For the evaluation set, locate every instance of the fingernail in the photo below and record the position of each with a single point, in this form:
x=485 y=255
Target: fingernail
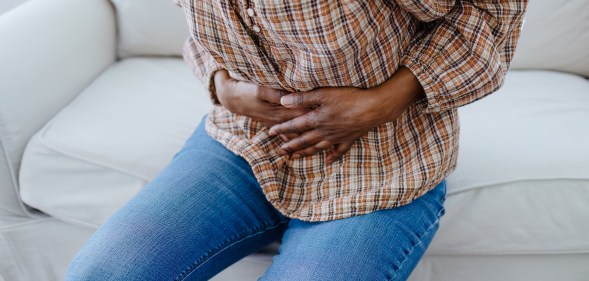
x=282 y=152
x=295 y=156
x=272 y=132
x=284 y=138
x=286 y=100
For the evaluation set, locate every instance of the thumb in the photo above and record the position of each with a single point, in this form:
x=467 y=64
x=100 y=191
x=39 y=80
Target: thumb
x=301 y=99
x=221 y=74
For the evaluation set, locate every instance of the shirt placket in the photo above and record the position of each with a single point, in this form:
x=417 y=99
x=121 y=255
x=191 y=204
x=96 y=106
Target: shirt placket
x=249 y=16
x=249 y=12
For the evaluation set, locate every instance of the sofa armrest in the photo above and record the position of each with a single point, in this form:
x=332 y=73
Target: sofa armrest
x=49 y=52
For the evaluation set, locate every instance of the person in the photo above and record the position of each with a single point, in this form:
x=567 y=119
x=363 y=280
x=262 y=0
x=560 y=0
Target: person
x=334 y=127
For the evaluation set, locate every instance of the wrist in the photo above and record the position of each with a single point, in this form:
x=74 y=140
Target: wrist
x=218 y=95
x=402 y=90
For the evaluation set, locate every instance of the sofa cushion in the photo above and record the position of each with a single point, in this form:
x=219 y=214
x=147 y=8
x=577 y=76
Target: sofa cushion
x=555 y=36
x=112 y=139
x=150 y=28
x=521 y=184
x=536 y=127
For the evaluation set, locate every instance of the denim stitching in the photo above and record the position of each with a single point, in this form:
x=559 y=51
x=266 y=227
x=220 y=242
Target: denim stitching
x=210 y=254
x=430 y=228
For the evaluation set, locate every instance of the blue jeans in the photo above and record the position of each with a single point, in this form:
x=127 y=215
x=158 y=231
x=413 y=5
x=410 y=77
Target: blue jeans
x=205 y=211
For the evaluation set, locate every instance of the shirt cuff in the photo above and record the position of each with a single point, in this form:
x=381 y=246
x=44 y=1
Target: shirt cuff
x=209 y=82
x=430 y=82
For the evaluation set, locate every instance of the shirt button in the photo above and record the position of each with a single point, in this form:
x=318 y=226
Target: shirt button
x=250 y=12
x=256 y=28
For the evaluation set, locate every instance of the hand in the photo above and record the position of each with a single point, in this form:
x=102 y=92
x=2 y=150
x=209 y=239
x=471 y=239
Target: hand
x=342 y=115
x=257 y=102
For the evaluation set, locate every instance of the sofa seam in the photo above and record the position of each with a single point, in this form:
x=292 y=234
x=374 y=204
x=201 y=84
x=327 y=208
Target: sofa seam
x=68 y=219
x=11 y=170
x=17 y=225
x=520 y=180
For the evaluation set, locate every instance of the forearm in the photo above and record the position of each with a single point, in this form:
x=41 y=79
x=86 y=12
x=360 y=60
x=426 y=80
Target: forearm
x=399 y=92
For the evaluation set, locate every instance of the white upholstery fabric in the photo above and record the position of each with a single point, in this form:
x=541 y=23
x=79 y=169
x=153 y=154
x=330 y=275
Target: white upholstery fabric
x=555 y=36
x=536 y=127
x=7 y=5
x=522 y=179
x=502 y=267
x=49 y=52
x=150 y=28
x=38 y=248
x=116 y=136
x=524 y=217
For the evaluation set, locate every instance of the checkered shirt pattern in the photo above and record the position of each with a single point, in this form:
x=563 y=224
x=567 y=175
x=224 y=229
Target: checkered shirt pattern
x=458 y=50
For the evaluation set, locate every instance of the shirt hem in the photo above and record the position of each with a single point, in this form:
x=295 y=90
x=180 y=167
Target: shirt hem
x=308 y=211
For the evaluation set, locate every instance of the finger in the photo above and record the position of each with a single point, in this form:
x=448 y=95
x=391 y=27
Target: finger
x=222 y=74
x=219 y=79
x=302 y=99
x=340 y=150
x=282 y=114
x=224 y=78
x=298 y=125
x=270 y=95
x=318 y=147
x=268 y=114
x=288 y=137
x=301 y=142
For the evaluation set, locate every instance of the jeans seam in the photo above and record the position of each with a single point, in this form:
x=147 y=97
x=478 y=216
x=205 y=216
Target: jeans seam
x=430 y=228
x=202 y=260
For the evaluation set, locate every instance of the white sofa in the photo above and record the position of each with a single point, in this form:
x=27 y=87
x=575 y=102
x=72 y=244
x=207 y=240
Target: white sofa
x=95 y=100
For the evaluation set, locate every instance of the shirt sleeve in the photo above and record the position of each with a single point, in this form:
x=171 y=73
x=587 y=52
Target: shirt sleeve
x=201 y=63
x=464 y=50
x=203 y=66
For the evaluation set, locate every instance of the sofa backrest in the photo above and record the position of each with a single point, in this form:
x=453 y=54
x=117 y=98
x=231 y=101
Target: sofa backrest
x=555 y=34
x=49 y=52
x=150 y=28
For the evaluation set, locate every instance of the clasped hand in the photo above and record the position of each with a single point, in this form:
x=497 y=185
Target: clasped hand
x=329 y=119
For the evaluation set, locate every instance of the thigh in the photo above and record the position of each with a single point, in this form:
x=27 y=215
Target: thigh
x=382 y=245
x=203 y=212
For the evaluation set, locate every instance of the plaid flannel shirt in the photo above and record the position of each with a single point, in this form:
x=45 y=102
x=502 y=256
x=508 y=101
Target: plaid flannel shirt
x=458 y=50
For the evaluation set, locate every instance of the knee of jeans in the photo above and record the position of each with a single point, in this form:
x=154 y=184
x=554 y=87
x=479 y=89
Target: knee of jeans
x=304 y=270
x=80 y=268
x=292 y=273
x=88 y=266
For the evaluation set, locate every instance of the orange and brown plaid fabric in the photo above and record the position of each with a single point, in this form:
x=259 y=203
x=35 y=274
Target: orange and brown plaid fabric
x=459 y=50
